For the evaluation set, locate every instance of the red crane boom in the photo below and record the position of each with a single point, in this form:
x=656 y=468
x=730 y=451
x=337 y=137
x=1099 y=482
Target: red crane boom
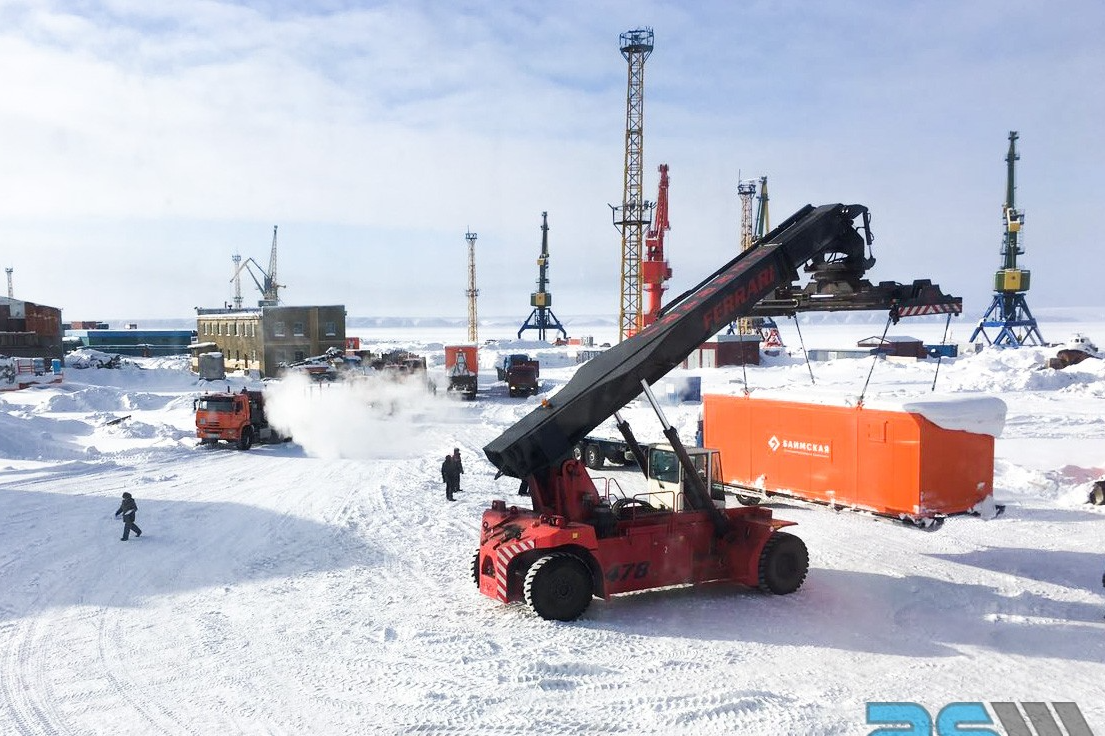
x=654 y=269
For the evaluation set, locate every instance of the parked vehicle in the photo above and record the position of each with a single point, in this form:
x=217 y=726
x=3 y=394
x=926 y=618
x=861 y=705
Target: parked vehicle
x=462 y=370
x=520 y=373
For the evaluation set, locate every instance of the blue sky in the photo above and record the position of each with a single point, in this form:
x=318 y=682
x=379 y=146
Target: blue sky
x=145 y=143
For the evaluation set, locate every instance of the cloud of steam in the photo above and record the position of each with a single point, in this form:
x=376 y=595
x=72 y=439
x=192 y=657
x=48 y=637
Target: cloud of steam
x=369 y=417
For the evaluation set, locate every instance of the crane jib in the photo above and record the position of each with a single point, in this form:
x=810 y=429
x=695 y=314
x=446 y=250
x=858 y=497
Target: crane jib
x=738 y=295
x=608 y=381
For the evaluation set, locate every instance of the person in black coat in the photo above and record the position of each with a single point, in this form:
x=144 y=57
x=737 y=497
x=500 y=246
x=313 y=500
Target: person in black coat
x=128 y=509
x=450 y=475
x=458 y=467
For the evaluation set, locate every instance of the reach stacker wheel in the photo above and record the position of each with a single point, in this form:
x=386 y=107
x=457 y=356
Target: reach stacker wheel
x=559 y=587
x=784 y=563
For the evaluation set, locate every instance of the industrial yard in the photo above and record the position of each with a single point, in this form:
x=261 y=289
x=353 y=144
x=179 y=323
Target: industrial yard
x=767 y=463
x=324 y=584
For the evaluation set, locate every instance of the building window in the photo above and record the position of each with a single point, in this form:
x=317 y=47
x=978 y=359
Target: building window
x=297 y=330
x=331 y=329
x=300 y=355
x=278 y=328
x=235 y=329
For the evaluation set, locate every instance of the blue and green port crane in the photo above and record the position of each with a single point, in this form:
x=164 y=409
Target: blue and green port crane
x=1009 y=313
x=542 y=318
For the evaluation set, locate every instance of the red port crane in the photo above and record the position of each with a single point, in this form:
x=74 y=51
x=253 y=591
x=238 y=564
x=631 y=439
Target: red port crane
x=654 y=269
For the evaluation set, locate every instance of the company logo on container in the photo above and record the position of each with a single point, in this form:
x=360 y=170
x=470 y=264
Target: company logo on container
x=801 y=447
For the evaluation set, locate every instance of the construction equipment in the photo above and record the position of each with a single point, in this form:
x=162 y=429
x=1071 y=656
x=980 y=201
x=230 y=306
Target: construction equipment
x=655 y=271
x=575 y=543
x=234 y=417
x=267 y=285
x=542 y=318
x=462 y=370
x=1009 y=311
x=633 y=214
x=520 y=373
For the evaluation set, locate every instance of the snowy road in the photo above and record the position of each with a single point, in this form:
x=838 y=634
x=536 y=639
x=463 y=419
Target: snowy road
x=276 y=591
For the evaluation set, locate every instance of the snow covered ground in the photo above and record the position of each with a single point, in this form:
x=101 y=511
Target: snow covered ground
x=323 y=586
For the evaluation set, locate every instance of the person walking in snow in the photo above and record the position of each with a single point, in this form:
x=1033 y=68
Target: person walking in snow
x=458 y=467
x=128 y=509
x=451 y=477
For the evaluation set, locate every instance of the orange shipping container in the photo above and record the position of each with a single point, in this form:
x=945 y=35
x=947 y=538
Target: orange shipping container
x=916 y=460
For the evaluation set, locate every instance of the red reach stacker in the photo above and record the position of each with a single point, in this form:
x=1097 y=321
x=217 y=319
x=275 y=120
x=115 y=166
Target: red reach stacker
x=575 y=543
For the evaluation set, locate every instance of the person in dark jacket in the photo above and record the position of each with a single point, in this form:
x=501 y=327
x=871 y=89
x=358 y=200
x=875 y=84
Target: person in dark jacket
x=128 y=509
x=458 y=466
x=451 y=477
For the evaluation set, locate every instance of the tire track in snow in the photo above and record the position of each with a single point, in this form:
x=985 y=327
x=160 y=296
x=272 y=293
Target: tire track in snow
x=22 y=681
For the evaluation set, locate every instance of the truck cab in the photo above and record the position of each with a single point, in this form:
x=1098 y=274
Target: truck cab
x=238 y=418
x=667 y=481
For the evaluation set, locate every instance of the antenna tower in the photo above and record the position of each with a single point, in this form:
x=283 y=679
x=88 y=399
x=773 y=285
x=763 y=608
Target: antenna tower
x=634 y=213
x=473 y=292
x=1009 y=312
x=8 y=271
x=542 y=318
x=236 y=259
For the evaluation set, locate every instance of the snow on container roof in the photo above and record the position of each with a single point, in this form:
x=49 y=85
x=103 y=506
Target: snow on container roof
x=978 y=414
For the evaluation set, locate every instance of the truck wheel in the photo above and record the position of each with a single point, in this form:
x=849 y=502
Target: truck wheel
x=246 y=440
x=745 y=500
x=593 y=457
x=476 y=568
x=577 y=452
x=784 y=563
x=559 y=587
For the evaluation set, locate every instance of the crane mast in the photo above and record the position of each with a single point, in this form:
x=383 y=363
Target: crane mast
x=633 y=215
x=236 y=259
x=746 y=190
x=267 y=285
x=472 y=292
x=542 y=318
x=655 y=271
x=1009 y=312
x=272 y=287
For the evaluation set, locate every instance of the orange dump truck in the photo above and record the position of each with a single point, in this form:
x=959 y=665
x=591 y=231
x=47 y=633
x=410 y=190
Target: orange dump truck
x=913 y=460
x=462 y=368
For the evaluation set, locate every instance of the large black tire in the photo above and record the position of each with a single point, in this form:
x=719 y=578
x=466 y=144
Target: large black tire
x=476 y=568
x=593 y=457
x=747 y=500
x=559 y=587
x=577 y=452
x=246 y=440
x=784 y=563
